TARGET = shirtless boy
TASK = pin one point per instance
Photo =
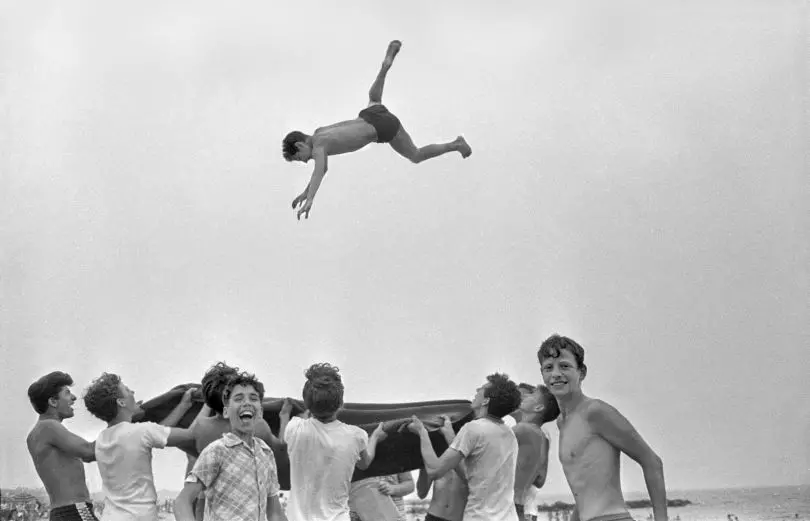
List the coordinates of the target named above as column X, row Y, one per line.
column 449, row 491
column 58, row 453
column 373, row 124
column 537, row 407
column 488, row 448
column 593, row 435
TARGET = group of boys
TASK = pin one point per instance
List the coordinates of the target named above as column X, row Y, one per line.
column 485, row 473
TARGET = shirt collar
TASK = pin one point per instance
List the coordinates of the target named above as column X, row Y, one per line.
column 232, row 440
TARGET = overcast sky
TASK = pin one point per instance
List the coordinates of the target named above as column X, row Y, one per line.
column 639, row 182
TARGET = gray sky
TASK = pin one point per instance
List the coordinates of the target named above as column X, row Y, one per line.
column 638, row 182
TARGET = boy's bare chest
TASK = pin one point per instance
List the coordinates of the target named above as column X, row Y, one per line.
column 575, row 438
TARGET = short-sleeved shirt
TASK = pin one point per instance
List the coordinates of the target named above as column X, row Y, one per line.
column 238, row 479
column 490, row 450
column 124, row 458
column 322, row 460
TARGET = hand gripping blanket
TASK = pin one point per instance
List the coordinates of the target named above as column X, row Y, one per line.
column 399, row 452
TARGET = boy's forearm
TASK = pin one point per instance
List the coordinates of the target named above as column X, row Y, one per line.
column 371, row 449
column 183, row 509
column 282, row 427
column 314, row 184
column 428, row 455
column 176, row 414
column 654, row 479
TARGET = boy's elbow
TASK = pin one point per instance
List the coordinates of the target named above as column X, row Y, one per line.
column 654, row 463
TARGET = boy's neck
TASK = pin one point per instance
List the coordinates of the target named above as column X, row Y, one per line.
column 120, row 418
column 51, row 414
column 569, row 403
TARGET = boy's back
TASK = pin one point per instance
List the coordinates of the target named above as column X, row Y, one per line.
column 124, row 457
column 322, row 460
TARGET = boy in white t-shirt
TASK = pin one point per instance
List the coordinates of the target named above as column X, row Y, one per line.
column 488, row 448
column 124, row 449
column 323, row 450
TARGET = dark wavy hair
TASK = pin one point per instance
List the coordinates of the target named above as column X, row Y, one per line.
column 214, row 383
column 323, row 390
column 288, row 149
column 504, row 395
column 47, row 387
column 244, row 379
column 551, row 347
column 100, row 397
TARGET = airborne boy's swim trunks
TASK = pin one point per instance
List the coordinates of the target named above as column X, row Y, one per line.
column 386, row 124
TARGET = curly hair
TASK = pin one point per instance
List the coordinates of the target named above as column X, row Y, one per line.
column 323, row 390
column 100, row 397
column 288, row 148
column 47, row 387
column 504, row 395
column 244, row 379
column 214, row 383
column 551, row 347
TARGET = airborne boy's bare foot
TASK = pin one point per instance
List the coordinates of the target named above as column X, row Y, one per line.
column 391, row 53
column 463, row 147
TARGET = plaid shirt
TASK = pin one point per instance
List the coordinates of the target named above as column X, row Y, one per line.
column 238, row 480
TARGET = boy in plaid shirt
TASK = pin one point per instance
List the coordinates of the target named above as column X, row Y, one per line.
column 238, row 471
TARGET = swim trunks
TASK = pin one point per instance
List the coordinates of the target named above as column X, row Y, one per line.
column 624, row 516
column 520, row 511
column 386, row 124
column 75, row 512
column 431, row 517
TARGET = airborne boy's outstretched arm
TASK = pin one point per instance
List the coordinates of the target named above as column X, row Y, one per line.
column 308, row 195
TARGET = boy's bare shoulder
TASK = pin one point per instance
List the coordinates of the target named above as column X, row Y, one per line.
column 598, row 411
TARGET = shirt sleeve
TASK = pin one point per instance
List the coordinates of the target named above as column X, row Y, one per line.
column 206, row 468
column 155, row 435
column 466, row 440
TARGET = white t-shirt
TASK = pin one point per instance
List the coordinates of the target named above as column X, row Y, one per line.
column 124, row 458
column 490, row 455
column 322, row 460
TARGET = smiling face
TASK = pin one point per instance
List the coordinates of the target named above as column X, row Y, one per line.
column 243, row 409
column 561, row 374
column 62, row 403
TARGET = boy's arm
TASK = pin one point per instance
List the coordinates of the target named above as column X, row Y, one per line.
column 540, row 479
column 181, row 438
column 182, row 408
column 264, row 433
column 284, row 417
column 274, row 510
column 367, row 456
column 183, row 505
column 423, row 483
column 69, row 443
column 435, row 467
column 609, row 423
column 319, row 155
column 525, row 456
column 403, row 488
